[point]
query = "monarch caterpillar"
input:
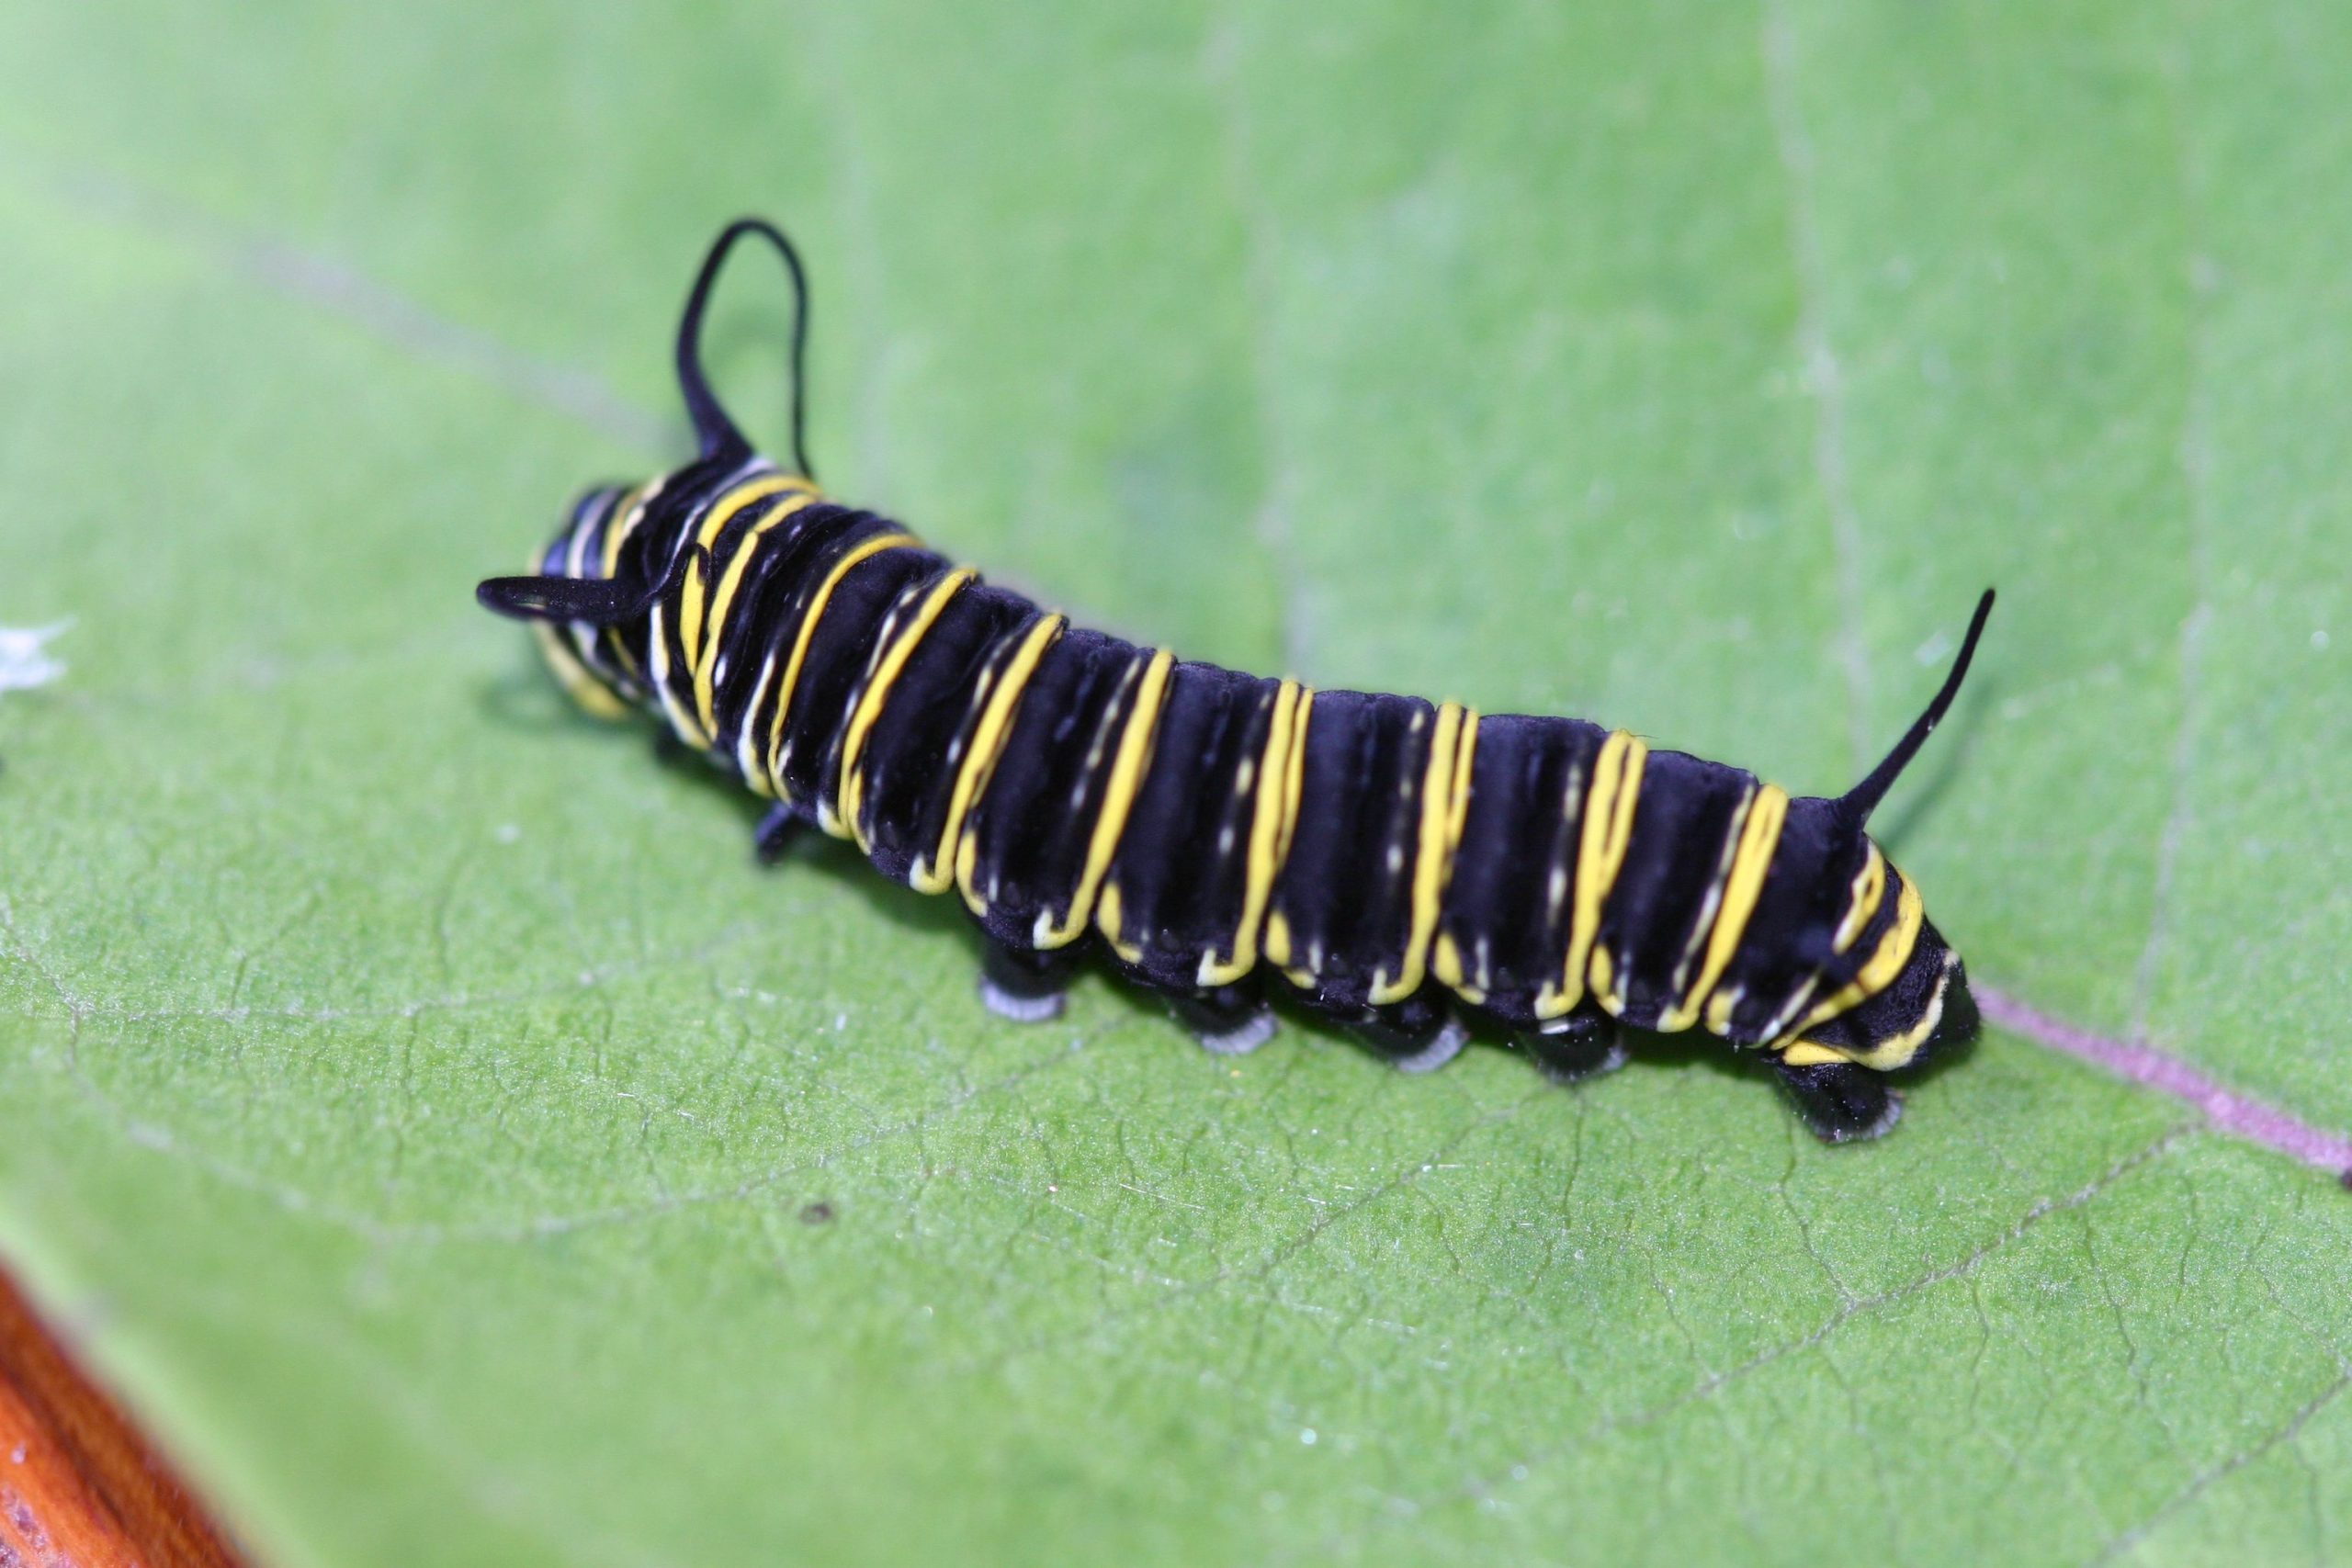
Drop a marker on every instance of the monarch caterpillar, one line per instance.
(1396, 862)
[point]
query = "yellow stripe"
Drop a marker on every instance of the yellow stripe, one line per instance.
(1794, 1003)
(722, 511)
(851, 789)
(1458, 812)
(1295, 773)
(657, 645)
(1445, 953)
(817, 603)
(1429, 860)
(1118, 797)
(1893, 952)
(1759, 836)
(582, 685)
(987, 744)
(1607, 830)
(1466, 752)
(627, 513)
(682, 719)
(1897, 1051)
(567, 652)
(707, 667)
(1679, 1013)
(747, 755)
(967, 857)
(1111, 919)
(1278, 941)
(1266, 834)
(1870, 888)
(1604, 983)
(1601, 854)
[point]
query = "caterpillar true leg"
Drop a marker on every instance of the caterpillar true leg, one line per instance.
(1841, 1103)
(775, 832)
(1228, 1021)
(1023, 983)
(1585, 1046)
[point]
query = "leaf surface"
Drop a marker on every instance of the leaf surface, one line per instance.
(423, 1111)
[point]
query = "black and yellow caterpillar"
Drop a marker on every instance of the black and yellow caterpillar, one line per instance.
(1396, 862)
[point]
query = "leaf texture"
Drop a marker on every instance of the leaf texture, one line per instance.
(425, 1113)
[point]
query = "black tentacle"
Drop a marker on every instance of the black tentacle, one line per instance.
(591, 601)
(713, 426)
(1854, 808)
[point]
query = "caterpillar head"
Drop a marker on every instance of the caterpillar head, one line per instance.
(593, 588)
(1904, 992)
(1925, 1008)
(587, 604)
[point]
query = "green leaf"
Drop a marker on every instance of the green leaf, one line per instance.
(422, 1109)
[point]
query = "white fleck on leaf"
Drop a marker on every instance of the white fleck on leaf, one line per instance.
(25, 662)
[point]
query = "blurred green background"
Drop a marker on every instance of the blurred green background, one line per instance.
(416, 1102)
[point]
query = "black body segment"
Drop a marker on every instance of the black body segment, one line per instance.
(1036, 844)
(1339, 923)
(819, 669)
(1178, 909)
(1662, 906)
(1503, 939)
(921, 726)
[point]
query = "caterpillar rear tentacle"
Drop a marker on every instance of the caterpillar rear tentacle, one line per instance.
(1394, 864)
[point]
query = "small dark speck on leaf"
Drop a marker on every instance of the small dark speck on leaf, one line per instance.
(817, 1214)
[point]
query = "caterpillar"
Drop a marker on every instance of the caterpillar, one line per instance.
(1394, 864)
